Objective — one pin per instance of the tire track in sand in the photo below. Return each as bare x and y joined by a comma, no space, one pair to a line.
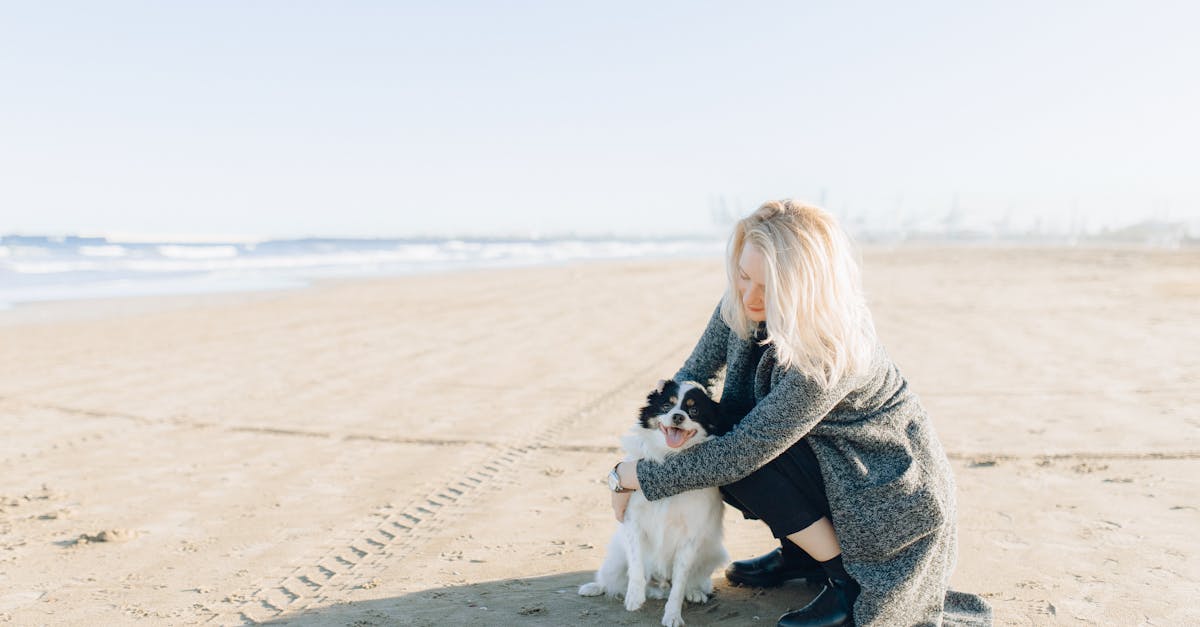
388,534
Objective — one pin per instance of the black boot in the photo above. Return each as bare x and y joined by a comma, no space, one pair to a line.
783,564
833,606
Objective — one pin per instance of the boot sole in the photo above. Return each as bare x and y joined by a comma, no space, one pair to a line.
772,582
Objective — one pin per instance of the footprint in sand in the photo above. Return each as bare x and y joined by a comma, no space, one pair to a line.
107,535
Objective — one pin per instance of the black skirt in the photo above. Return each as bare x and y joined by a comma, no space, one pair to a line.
788,493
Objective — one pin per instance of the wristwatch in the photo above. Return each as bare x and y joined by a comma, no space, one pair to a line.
614,481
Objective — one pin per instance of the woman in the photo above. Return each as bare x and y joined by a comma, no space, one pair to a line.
831,449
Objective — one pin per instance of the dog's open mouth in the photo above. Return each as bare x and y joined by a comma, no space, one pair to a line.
676,436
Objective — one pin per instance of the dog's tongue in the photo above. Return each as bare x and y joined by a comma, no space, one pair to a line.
675,436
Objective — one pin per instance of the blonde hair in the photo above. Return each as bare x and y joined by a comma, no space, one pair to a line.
817,316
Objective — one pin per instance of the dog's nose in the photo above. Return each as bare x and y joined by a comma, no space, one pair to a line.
678,418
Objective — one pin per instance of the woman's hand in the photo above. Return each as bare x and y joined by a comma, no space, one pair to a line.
627,476
620,500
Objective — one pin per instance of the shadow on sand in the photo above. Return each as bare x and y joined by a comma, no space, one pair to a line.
550,600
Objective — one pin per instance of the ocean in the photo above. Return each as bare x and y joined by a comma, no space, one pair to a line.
47,268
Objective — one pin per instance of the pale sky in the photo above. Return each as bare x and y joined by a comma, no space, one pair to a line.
392,119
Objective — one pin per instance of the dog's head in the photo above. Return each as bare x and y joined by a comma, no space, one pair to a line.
680,416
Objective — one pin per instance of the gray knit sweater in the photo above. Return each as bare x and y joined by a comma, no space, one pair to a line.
889,483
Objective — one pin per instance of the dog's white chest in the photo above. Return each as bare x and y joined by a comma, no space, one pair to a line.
665,527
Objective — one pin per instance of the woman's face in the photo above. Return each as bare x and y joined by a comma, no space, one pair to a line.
749,282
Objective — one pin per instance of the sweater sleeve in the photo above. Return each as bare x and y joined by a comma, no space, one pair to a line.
708,357
792,407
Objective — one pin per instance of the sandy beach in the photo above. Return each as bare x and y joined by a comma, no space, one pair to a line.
429,450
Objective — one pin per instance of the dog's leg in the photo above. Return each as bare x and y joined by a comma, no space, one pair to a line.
699,588
610,579
681,573
700,585
635,590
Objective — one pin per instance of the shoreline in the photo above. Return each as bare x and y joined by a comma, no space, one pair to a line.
57,309
98,307
54,309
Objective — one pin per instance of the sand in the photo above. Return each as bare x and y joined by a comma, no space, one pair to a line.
429,450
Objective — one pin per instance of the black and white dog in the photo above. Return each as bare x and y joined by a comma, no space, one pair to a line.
672,543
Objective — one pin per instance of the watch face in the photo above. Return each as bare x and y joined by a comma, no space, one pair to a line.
614,483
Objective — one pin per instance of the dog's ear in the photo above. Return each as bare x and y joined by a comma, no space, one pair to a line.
707,405
649,410
669,389
655,401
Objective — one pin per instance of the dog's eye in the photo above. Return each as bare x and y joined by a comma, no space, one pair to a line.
692,411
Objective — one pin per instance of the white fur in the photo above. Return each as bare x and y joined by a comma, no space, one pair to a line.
670,544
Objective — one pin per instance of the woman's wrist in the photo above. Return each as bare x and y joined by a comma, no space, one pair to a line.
627,473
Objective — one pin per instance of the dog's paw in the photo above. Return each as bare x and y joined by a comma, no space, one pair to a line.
672,618
696,595
634,601
591,589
